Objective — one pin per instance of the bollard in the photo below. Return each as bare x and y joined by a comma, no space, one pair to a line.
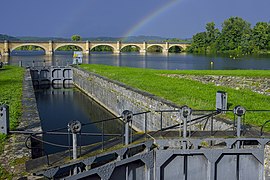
221,101
74,127
20,63
239,111
127,117
185,115
4,119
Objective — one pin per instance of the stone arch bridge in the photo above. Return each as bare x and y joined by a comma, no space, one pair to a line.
50,47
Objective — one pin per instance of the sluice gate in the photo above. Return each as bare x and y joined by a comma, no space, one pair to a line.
173,152
52,75
169,159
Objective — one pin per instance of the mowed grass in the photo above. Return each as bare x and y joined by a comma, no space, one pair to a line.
11,80
189,92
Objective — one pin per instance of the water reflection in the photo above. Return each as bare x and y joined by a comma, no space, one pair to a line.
150,60
57,107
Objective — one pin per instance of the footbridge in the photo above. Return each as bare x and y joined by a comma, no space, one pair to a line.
6,47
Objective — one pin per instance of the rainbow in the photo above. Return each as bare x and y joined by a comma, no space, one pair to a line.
150,17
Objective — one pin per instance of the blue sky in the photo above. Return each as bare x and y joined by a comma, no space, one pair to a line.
117,18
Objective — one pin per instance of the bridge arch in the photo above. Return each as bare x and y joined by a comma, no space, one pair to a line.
29,44
108,45
175,48
160,48
127,45
69,44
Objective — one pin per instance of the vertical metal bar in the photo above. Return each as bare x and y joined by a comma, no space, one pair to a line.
131,133
123,132
69,144
212,125
145,125
185,168
127,172
185,128
74,145
102,135
80,143
238,126
238,130
189,119
126,133
161,120
237,167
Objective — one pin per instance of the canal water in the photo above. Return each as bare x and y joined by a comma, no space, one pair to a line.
170,61
57,107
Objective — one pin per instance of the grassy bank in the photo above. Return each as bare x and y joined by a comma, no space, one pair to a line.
11,93
189,92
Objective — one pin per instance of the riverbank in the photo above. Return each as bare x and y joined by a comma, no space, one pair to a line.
192,92
18,93
11,81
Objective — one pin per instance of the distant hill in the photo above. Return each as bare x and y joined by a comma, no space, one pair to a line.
139,39
7,37
31,38
128,39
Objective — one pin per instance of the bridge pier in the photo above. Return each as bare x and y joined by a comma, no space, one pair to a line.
118,48
6,51
50,49
166,48
165,51
87,48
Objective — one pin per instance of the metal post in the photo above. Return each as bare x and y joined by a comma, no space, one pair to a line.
185,113
69,143
145,125
74,145
102,135
126,133
4,119
212,125
185,128
161,121
238,126
239,111
74,127
33,64
127,117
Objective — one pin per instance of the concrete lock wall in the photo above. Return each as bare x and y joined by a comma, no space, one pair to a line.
117,97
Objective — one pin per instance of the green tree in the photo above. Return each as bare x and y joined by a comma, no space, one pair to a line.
76,38
212,34
198,44
261,35
235,30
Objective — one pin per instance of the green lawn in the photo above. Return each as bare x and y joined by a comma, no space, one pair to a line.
11,93
189,92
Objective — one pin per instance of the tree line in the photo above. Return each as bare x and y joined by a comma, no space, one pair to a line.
236,37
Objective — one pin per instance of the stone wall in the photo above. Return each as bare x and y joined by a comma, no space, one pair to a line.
117,97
